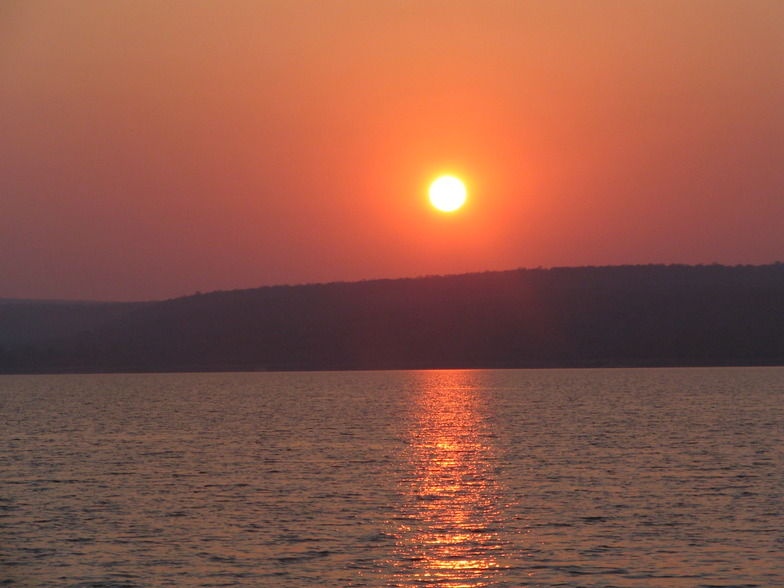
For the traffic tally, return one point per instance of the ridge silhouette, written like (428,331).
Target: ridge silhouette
(640,315)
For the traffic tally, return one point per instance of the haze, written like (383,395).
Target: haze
(152,149)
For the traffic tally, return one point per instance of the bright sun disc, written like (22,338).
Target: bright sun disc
(447,193)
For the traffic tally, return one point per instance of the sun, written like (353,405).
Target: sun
(447,193)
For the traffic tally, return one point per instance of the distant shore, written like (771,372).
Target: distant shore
(611,316)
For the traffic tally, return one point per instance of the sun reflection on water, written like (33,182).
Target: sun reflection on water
(452,507)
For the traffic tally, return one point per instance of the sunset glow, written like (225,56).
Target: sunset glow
(216,146)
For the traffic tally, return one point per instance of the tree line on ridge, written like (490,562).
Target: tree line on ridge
(646,315)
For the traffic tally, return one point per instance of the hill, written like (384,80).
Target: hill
(31,322)
(587,316)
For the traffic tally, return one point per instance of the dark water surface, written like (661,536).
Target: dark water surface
(660,477)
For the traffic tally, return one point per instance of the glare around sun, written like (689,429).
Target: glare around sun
(447,193)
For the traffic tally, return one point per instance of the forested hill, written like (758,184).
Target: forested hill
(588,316)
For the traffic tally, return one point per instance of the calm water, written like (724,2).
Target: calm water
(453,479)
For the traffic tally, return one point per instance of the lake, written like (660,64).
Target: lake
(617,477)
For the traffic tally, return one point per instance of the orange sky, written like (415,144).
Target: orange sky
(150,149)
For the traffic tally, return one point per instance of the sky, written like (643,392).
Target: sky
(154,148)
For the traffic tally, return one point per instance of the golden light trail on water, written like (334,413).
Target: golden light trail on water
(453,501)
